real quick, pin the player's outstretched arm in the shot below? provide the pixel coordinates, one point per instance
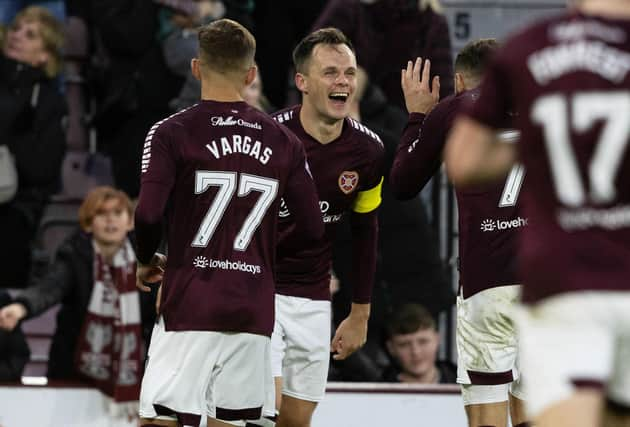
(352, 331)
(419, 153)
(473, 154)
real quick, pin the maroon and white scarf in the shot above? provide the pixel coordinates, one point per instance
(110, 344)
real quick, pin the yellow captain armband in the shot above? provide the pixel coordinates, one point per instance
(368, 200)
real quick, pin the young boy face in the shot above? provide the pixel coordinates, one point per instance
(415, 352)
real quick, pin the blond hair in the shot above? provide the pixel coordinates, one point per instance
(434, 5)
(51, 32)
(95, 200)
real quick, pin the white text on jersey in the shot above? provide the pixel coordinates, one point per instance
(239, 144)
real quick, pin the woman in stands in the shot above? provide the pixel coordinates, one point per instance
(31, 134)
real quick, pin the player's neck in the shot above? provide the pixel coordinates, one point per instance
(221, 90)
(324, 131)
(607, 9)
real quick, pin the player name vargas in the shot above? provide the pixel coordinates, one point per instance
(239, 144)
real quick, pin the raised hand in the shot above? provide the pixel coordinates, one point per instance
(414, 80)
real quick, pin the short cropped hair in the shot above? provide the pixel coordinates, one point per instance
(304, 49)
(475, 56)
(51, 32)
(408, 319)
(95, 200)
(226, 46)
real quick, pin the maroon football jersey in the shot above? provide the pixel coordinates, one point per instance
(488, 216)
(568, 78)
(217, 171)
(341, 169)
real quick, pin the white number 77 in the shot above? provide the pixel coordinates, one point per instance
(226, 181)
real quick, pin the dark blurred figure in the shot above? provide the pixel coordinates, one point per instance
(254, 95)
(279, 25)
(129, 78)
(14, 351)
(386, 33)
(31, 129)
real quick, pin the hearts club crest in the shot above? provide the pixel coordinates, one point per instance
(348, 181)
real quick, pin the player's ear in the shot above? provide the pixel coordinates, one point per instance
(301, 83)
(195, 69)
(460, 84)
(251, 75)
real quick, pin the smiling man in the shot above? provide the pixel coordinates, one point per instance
(345, 159)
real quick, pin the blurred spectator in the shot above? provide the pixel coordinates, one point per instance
(412, 342)
(279, 25)
(254, 96)
(132, 84)
(14, 351)
(179, 42)
(104, 323)
(178, 23)
(31, 128)
(10, 8)
(386, 33)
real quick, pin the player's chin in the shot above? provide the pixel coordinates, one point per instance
(338, 110)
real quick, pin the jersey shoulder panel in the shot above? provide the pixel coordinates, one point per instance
(363, 132)
(160, 127)
(286, 115)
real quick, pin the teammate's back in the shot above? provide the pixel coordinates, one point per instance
(232, 165)
(569, 80)
(217, 171)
